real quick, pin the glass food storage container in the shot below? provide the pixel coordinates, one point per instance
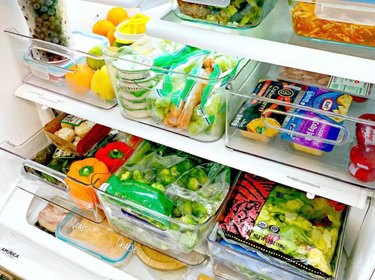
(178, 88)
(269, 231)
(166, 199)
(347, 22)
(78, 72)
(226, 13)
(96, 239)
(295, 121)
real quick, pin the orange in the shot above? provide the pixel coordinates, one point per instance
(102, 27)
(117, 15)
(111, 36)
(80, 80)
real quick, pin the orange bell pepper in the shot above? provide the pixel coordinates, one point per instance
(81, 180)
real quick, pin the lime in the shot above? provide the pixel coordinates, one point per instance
(93, 63)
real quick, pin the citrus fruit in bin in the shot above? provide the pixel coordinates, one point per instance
(93, 63)
(102, 27)
(79, 81)
(117, 15)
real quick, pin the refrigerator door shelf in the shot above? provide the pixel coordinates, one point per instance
(295, 177)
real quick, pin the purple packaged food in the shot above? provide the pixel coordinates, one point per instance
(315, 124)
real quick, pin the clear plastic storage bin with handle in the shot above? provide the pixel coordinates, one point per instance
(166, 199)
(175, 87)
(305, 123)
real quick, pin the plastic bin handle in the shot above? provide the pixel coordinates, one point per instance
(340, 141)
(51, 64)
(31, 168)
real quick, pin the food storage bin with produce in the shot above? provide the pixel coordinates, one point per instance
(272, 231)
(175, 87)
(77, 72)
(346, 22)
(63, 178)
(97, 239)
(301, 119)
(227, 13)
(165, 199)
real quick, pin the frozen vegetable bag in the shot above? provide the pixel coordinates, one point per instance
(47, 21)
(283, 223)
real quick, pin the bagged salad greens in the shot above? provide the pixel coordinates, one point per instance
(169, 190)
(282, 222)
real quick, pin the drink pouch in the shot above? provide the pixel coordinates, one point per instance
(143, 195)
(315, 124)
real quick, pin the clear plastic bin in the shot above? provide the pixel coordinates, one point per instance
(227, 13)
(247, 264)
(174, 87)
(347, 22)
(275, 140)
(67, 72)
(96, 239)
(180, 236)
(47, 183)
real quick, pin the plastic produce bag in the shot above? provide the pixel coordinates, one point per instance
(282, 222)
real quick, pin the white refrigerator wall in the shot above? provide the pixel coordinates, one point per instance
(19, 119)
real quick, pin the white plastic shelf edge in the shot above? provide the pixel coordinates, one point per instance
(266, 51)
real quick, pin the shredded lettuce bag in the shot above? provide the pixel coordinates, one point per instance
(283, 223)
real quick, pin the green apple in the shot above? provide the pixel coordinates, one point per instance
(93, 63)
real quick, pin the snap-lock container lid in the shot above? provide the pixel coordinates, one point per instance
(96, 239)
(348, 11)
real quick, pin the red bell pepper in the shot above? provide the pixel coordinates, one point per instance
(114, 155)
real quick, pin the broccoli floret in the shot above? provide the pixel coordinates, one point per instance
(126, 176)
(200, 175)
(193, 184)
(176, 212)
(165, 177)
(185, 207)
(198, 209)
(188, 220)
(174, 171)
(138, 176)
(158, 186)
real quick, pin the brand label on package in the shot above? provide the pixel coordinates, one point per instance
(72, 120)
(349, 86)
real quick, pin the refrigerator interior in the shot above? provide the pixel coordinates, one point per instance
(37, 253)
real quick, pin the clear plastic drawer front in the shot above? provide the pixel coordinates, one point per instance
(310, 121)
(49, 184)
(69, 71)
